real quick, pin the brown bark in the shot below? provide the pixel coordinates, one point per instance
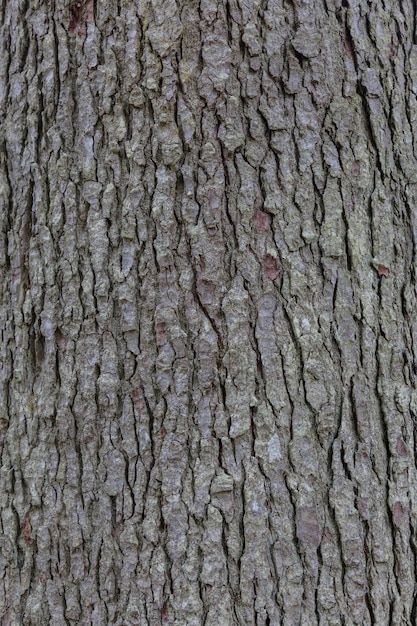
(208, 348)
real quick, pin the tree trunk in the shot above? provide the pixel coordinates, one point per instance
(208, 349)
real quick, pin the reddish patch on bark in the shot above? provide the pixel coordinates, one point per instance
(76, 9)
(363, 508)
(382, 270)
(213, 199)
(327, 535)
(164, 613)
(160, 331)
(162, 432)
(89, 10)
(348, 47)
(137, 397)
(399, 513)
(393, 50)
(271, 267)
(401, 447)
(61, 340)
(308, 529)
(27, 530)
(202, 263)
(81, 11)
(262, 221)
(206, 290)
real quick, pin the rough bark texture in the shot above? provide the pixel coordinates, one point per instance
(208, 312)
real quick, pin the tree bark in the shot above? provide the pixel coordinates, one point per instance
(208, 297)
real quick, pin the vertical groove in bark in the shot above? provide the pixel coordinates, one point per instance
(208, 244)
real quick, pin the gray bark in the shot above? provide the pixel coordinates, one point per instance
(208, 348)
